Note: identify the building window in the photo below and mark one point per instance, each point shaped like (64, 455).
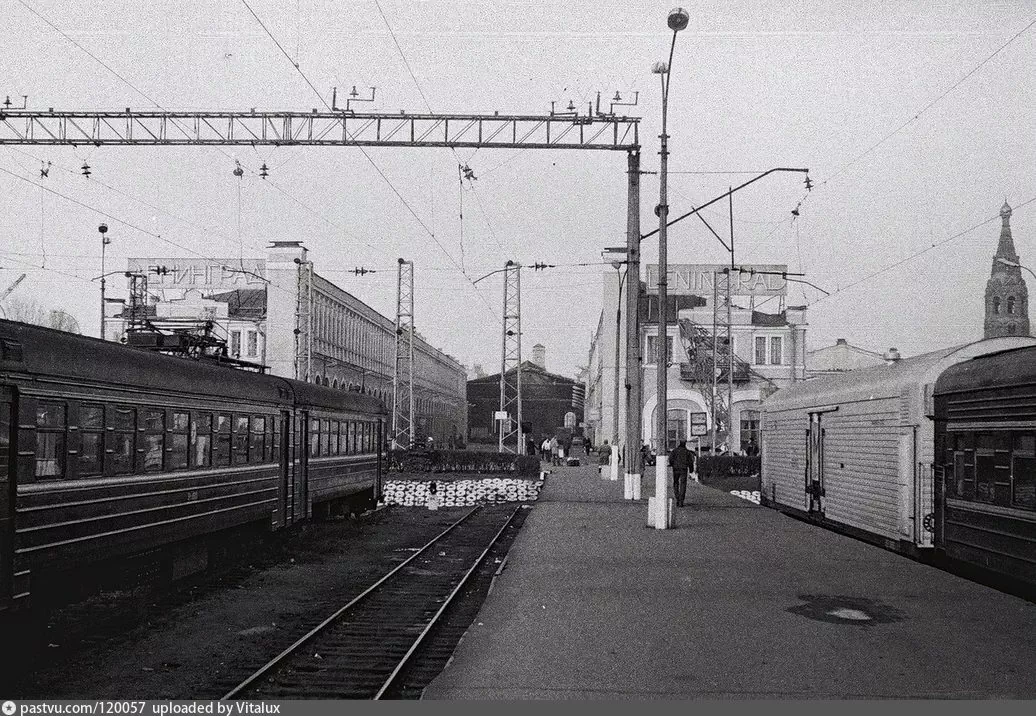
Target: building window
(996, 304)
(750, 431)
(760, 350)
(253, 343)
(1010, 305)
(652, 349)
(776, 350)
(235, 344)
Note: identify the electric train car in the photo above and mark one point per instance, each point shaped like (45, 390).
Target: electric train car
(857, 451)
(107, 452)
(985, 441)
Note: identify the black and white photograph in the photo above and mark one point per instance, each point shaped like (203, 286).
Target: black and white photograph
(515, 351)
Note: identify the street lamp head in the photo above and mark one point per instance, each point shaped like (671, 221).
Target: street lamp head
(678, 19)
(103, 228)
(618, 264)
(659, 68)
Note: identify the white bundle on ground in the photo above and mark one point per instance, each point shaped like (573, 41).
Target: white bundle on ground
(750, 495)
(461, 493)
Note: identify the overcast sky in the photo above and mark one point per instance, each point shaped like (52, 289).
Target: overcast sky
(754, 85)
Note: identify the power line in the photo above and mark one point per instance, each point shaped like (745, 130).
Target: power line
(913, 256)
(928, 106)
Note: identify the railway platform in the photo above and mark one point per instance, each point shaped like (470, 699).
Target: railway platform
(736, 602)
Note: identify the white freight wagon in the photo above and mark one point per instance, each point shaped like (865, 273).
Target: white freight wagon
(855, 450)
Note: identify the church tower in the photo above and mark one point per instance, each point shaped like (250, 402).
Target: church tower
(1007, 298)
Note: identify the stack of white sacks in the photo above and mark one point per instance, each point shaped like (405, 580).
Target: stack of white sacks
(461, 493)
(750, 495)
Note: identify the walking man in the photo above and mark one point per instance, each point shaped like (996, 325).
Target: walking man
(682, 461)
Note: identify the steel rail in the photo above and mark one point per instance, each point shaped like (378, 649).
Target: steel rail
(390, 681)
(273, 663)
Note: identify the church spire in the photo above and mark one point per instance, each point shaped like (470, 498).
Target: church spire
(1007, 297)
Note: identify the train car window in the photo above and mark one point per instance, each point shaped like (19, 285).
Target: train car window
(91, 446)
(179, 432)
(240, 439)
(366, 438)
(1023, 472)
(352, 438)
(154, 439)
(124, 437)
(201, 440)
(275, 438)
(222, 440)
(258, 441)
(964, 472)
(50, 439)
(314, 438)
(333, 442)
(325, 437)
(343, 437)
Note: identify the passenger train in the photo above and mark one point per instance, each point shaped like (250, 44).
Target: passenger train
(107, 452)
(933, 456)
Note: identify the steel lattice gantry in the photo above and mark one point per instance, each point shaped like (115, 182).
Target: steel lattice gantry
(403, 373)
(511, 439)
(336, 128)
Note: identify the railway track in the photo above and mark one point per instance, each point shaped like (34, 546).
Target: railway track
(364, 648)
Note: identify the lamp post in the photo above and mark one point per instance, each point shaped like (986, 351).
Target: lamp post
(1005, 262)
(614, 458)
(103, 229)
(678, 20)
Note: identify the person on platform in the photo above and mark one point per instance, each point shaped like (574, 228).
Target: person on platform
(554, 451)
(530, 446)
(682, 461)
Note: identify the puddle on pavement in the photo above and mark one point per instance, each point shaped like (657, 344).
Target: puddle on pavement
(839, 609)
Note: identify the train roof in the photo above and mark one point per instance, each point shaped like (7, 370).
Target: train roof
(887, 380)
(1016, 367)
(39, 351)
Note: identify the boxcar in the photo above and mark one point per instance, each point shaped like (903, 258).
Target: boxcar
(108, 451)
(855, 451)
(985, 428)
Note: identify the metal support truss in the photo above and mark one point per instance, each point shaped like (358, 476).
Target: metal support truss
(403, 374)
(136, 308)
(304, 322)
(511, 438)
(341, 128)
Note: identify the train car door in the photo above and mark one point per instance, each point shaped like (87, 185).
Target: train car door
(815, 464)
(8, 489)
(284, 456)
(302, 431)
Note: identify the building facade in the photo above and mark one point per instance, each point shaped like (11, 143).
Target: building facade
(550, 403)
(280, 313)
(1007, 297)
(720, 363)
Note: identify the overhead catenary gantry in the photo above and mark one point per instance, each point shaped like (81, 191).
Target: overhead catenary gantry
(319, 128)
(594, 130)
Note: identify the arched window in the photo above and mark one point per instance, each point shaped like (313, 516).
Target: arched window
(1011, 328)
(1010, 305)
(996, 304)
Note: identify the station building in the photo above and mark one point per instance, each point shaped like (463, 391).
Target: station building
(279, 313)
(550, 402)
(768, 352)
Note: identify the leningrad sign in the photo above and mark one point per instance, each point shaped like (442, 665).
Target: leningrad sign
(699, 279)
(203, 275)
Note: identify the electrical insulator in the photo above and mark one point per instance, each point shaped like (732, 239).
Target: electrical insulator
(809, 183)
(86, 170)
(264, 171)
(238, 171)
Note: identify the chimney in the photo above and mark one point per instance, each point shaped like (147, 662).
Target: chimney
(891, 356)
(841, 342)
(539, 355)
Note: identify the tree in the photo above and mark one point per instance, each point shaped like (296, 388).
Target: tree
(33, 312)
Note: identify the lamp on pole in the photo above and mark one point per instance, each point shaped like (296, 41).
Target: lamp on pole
(617, 265)
(103, 229)
(1006, 262)
(678, 20)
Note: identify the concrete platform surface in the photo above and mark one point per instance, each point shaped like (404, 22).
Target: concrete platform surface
(738, 601)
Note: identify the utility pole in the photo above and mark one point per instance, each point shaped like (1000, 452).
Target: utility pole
(304, 321)
(403, 374)
(511, 358)
(631, 489)
(103, 229)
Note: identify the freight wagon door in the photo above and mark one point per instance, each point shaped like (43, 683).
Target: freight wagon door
(815, 464)
(7, 498)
